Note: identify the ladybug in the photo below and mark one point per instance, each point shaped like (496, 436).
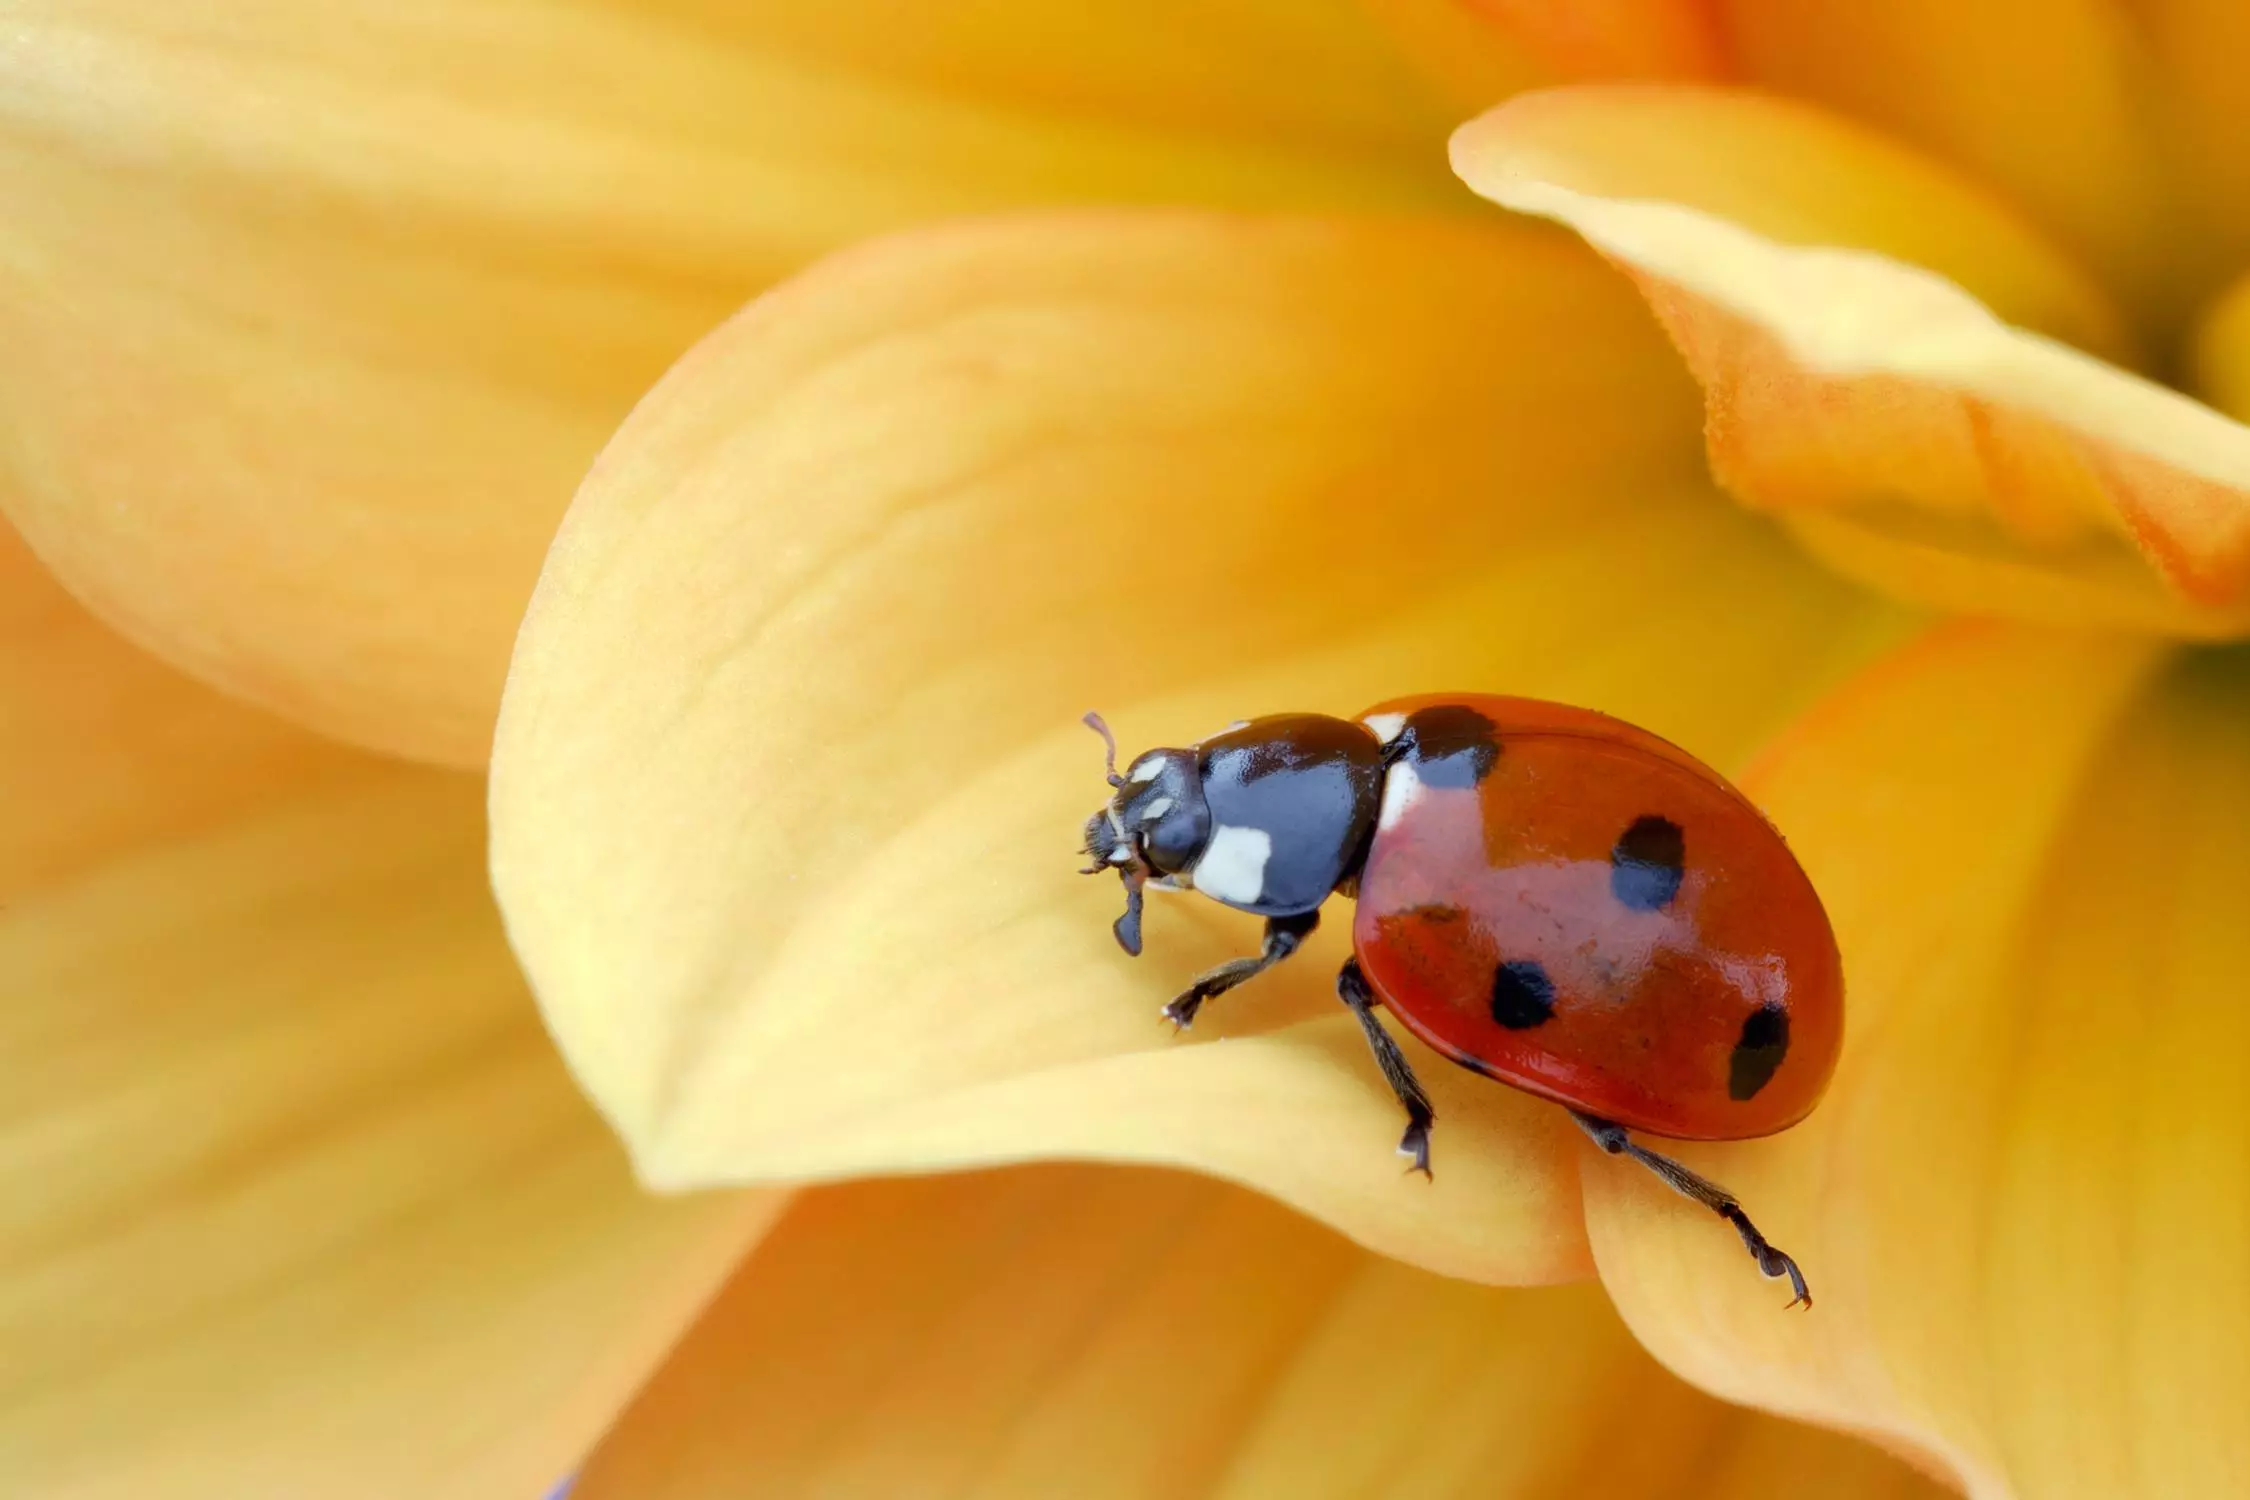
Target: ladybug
(1546, 895)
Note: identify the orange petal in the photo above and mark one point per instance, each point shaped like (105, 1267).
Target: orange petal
(790, 771)
(294, 1196)
(1908, 435)
(2056, 105)
(2194, 52)
(1482, 51)
(1084, 1332)
(2025, 1205)
(315, 316)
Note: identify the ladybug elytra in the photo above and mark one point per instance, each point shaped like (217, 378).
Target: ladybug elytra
(1547, 896)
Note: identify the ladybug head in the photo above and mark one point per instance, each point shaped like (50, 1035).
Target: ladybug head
(1155, 824)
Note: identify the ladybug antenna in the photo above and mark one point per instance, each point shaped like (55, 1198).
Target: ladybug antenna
(1094, 722)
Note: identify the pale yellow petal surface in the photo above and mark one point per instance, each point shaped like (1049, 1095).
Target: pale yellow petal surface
(2062, 107)
(2025, 1204)
(315, 315)
(790, 777)
(1113, 1334)
(295, 1198)
(1908, 433)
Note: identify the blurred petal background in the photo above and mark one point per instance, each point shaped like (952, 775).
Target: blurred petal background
(1855, 320)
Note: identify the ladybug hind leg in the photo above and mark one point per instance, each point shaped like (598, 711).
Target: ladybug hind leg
(1611, 1137)
(1352, 984)
(1284, 935)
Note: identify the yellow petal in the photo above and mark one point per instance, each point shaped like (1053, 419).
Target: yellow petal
(790, 773)
(1482, 51)
(294, 1196)
(2054, 104)
(2025, 1204)
(315, 316)
(2221, 351)
(1908, 435)
(2197, 48)
(1105, 1334)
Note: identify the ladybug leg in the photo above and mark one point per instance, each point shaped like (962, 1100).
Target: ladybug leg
(1352, 985)
(1283, 937)
(1613, 1139)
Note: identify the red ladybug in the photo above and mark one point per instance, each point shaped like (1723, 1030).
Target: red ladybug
(1547, 896)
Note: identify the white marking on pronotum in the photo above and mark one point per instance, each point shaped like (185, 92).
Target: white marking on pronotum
(1158, 808)
(1147, 768)
(1386, 726)
(1401, 790)
(1233, 866)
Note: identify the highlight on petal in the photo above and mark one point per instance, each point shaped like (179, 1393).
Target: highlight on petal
(2059, 106)
(1082, 1331)
(315, 316)
(294, 1196)
(1907, 435)
(790, 770)
(2025, 1205)
(1482, 51)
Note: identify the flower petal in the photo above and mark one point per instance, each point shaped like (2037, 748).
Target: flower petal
(2220, 351)
(2025, 1205)
(1482, 51)
(2196, 48)
(2053, 103)
(1080, 1331)
(316, 315)
(1908, 436)
(790, 769)
(294, 1197)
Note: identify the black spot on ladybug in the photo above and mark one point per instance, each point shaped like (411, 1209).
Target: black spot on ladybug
(1452, 746)
(1764, 1043)
(1522, 994)
(1647, 863)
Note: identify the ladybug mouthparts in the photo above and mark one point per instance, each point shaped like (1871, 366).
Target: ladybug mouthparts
(1103, 843)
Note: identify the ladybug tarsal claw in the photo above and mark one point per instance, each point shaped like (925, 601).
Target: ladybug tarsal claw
(1415, 1145)
(1776, 1264)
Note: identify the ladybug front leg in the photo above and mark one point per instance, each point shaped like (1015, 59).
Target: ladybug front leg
(1284, 935)
(1352, 985)
(1611, 1137)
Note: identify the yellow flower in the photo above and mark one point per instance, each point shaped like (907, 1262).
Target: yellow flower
(313, 321)
(299, 1201)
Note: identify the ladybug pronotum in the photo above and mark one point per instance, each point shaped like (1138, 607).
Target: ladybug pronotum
(1547, 896)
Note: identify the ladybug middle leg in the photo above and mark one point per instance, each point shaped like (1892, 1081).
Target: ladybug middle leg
(1351, 983)
(1611, 1137)
(1284, 935)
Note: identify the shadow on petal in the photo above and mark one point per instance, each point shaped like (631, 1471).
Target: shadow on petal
(1071, 1331)
(2071, 108)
